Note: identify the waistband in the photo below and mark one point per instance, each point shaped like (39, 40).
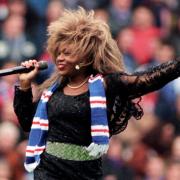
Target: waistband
(68, 151)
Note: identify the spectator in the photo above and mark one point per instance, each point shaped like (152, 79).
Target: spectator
(15, 43)
(174, 37)
(166, 98)
(7, 94)
(124, 41)
(17, 7)
(3, 10)
(173, 171)
(5, 170)
(9, 137)
(145, 35)
(120, 15)
(175, 152)
(155, 168)
(102, 14)
(114, 165)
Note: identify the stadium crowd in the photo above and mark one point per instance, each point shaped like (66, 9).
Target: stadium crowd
(147, 33)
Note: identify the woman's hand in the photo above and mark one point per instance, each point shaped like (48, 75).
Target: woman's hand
(26, 78)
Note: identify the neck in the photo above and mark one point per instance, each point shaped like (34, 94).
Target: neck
(77, 78)
(77, 82)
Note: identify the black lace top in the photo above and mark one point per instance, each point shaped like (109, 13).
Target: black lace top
(69, 116)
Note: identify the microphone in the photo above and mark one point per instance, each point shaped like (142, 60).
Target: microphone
(21, 69)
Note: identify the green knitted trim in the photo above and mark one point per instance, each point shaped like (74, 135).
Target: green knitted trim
(68, 151)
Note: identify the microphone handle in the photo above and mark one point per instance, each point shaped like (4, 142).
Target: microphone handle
(21, 69)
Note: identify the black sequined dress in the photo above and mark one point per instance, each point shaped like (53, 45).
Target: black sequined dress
(69, 117)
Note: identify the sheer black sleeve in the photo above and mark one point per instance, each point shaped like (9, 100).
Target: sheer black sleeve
(122, 88)
(24, 108)
(141, 83)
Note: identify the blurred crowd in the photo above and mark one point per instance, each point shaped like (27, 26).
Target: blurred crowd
(147, 33)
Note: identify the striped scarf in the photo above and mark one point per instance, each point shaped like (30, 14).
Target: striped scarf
(99, 124)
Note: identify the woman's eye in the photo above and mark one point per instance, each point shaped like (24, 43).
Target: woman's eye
(58, 53)
(67, 53)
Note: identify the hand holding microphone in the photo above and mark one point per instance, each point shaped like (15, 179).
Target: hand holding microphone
(28, 71)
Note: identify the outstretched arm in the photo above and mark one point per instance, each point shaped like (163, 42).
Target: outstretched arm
(121, 88)
(140, 83)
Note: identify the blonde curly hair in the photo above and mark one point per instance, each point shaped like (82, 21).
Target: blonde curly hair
(90, 37)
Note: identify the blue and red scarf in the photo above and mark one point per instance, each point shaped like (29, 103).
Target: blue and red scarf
(99, 124)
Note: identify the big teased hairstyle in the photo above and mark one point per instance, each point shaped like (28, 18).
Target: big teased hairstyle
(91, 39)
(90, 36)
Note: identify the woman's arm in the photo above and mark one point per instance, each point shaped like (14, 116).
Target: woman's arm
(121, 88)
(141, 83)
(24, 107)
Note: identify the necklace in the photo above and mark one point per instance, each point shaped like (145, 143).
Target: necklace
(80, 85)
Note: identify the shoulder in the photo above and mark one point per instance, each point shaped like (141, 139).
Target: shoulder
(114, 77)
(114, 83)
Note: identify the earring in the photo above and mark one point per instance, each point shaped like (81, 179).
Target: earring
(77, 67)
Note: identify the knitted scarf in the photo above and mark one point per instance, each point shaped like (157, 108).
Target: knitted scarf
(99, 124)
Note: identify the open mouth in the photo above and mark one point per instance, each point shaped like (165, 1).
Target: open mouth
(61, 65)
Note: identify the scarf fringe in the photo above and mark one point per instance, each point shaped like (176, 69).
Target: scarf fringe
(97, 150)
(32, 166)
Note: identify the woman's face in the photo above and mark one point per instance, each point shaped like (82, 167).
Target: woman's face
(66, 60)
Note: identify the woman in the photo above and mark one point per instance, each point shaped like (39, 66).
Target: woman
(87, 100)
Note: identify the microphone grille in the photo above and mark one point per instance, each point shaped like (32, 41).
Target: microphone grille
(43, 65)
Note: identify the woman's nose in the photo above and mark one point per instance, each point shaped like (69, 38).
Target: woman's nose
(60, 56)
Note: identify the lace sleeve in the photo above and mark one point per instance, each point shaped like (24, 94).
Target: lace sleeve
(122, 88)
(141, 83)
